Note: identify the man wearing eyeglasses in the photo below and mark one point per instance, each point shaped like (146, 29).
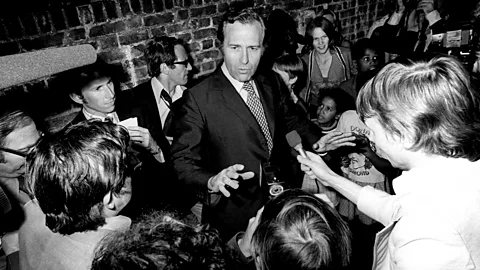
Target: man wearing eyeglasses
(168, 65)
(18, 135)
(154, 101)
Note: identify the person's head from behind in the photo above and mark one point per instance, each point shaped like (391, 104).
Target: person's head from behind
(168, 60)
(368, 56)
(333, 102)
(320, 34)
(300, 231)
(18, 135)
(80, 175)
(159, 241)
(292, 70)
(241, 35)
(427, 106)
(92, 87)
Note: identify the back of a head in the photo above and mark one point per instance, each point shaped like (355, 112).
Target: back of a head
(427, 102)
(299, 231)
(294, 66)
(159, 241)
(71, 172)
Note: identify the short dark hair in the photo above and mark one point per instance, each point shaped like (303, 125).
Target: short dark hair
(363, 44)
(343, 100)
(160, 50)
(325, 25)
(294, 66)
(300, 231)
(79, 78)
(72, 170)
(160, 241)
(13, 116)
(428, 102)
(244, 16)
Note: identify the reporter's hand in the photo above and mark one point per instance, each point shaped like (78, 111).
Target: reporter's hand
(228, 177)
(245, 244)
(316, 168)
(141, 136)
(334, 140)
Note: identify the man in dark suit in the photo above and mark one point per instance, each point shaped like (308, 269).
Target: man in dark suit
(168, 65)
(233, 123)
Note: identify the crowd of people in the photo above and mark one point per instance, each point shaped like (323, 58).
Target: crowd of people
(164, 177)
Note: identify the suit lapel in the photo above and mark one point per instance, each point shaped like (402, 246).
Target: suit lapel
(234, 102)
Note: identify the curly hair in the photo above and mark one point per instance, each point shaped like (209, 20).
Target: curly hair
(71, 172)
(300, 231)
(160, 241)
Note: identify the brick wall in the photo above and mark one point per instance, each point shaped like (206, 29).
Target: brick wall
(118, 29)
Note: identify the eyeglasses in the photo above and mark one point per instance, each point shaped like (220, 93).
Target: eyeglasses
(25, 152)
(368, 58)
(184, 62)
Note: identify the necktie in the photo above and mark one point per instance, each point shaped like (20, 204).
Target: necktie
(255, 106)
(422, 37)
(167, 98)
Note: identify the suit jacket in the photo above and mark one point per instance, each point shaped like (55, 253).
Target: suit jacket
(140, 102)
(215, 129)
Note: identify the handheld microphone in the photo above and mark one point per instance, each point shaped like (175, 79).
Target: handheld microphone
(295, 142)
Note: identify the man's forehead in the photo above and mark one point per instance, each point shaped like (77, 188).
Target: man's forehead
(96, 83)
(180, 52)
(241, 27)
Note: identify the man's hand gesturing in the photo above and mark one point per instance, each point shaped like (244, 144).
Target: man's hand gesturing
(228, 177)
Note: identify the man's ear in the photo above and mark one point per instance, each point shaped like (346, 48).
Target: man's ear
(293, 80)
(76, 98)
(164, 69)
(338, 116)
(109, 202)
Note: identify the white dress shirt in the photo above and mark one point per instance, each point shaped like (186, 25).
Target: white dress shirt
(163, 109)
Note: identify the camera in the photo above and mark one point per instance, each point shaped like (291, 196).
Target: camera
(360, 140)
(271, 174)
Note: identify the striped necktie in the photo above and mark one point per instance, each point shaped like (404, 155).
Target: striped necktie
(255, 106)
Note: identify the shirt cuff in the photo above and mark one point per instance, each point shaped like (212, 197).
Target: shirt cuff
(433, 17)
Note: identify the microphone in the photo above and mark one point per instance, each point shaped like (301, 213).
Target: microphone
(20, 68)
(295, 142)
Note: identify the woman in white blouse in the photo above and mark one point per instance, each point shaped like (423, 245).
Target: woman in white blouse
(425, 119)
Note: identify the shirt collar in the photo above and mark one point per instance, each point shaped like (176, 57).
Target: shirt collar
(89, 116)
(157, 87)
(236, 84)
(117, 223)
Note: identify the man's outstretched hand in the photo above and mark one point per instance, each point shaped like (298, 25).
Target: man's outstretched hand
(228, 177)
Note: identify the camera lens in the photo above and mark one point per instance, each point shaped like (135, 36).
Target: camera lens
(275, 190)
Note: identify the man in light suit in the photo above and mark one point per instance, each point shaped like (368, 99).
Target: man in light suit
(227, 128)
